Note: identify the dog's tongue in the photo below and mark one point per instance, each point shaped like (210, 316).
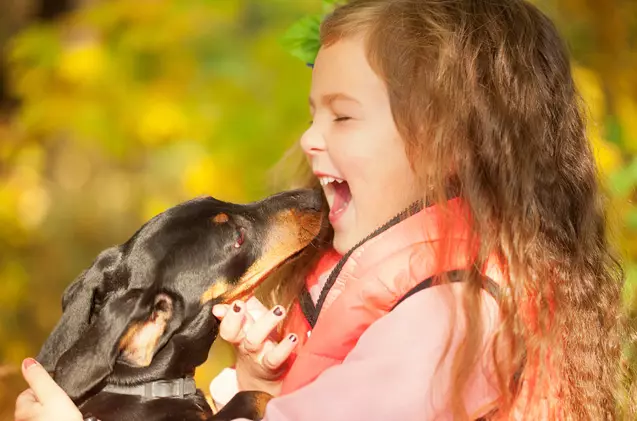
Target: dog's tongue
(342, 196)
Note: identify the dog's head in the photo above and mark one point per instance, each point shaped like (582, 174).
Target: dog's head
(150, 299)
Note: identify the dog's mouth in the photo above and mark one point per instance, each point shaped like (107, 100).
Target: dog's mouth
(291, 231)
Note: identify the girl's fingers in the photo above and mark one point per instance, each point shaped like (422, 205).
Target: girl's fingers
(42, 384)
(45, 398)
(253, 305)
(261, 329)
(256, 307)
(26, 405)
(233, 325)
(277, 356)
(220, 310)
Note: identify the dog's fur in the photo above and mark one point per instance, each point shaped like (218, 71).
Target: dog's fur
(143, 310)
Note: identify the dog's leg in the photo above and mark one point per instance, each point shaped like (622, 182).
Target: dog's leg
(248, 404)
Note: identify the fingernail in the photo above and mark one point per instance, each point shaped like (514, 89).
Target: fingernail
(28, 363)
(278, 311)
(236, 307)
(292, 337)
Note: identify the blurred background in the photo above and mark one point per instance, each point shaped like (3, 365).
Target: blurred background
(112, 111)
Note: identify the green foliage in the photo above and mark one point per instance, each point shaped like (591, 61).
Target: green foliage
(302, 39)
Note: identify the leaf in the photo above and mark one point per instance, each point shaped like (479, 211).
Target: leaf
(302, 39)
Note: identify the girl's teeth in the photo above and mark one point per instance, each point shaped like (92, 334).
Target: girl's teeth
(327, 180)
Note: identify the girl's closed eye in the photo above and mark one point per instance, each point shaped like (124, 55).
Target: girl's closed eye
(342, 118)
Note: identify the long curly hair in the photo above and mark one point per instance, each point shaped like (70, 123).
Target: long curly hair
(482, 94)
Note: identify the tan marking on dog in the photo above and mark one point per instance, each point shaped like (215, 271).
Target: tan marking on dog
(216, 290)
(291, 231)
(220, 218)
(138, 344)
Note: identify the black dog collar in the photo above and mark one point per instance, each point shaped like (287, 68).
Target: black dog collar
(177, 388)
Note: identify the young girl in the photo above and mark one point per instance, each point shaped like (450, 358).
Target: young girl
(472, 276)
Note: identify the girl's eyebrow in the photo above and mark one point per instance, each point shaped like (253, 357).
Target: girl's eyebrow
(328, 99)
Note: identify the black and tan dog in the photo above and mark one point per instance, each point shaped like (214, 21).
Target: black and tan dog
(137, 323)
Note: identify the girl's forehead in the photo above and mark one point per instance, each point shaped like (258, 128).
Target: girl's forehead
(347, 51)
(341, 70)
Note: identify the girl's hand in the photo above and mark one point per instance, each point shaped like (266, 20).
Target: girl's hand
(45, 400)
(260, 361)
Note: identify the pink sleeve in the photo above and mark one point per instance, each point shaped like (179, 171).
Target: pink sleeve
(389, 375)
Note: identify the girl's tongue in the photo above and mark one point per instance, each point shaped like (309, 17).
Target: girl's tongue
(342, 197)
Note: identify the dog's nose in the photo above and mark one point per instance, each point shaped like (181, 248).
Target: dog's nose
(308, 199)
(301, 199)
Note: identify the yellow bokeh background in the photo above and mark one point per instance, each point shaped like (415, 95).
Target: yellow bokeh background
(113, 111)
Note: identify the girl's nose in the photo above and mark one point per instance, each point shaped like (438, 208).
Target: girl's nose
(312, 142)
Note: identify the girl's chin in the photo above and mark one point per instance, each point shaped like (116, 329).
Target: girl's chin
(343, 223)
(345, 239)
(340, 244)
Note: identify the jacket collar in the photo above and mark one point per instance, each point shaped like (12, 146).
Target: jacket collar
(415, 225)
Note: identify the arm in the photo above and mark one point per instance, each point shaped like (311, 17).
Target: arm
(390, 374)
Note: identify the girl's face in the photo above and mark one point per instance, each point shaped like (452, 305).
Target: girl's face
(353, 144)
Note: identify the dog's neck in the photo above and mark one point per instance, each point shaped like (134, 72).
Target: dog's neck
(175, 388)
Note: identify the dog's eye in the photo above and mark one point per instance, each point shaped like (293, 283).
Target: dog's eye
(240, 238)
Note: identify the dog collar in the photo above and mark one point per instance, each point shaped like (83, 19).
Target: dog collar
(176, 388)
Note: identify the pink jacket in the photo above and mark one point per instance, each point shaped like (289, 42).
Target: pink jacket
(391, 371)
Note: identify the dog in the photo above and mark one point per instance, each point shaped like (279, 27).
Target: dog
(138, 322)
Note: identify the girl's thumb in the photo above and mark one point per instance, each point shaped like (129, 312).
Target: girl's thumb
(44, 387)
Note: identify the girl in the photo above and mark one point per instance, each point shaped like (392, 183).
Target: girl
(494, 293)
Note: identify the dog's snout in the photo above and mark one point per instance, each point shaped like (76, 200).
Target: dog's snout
(302, 200)
(312, 200)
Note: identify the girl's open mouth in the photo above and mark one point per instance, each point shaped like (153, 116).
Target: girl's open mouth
(338, 196)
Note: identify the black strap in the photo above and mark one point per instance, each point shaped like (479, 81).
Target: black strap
(307, 305)
(454, 276)
(313, 316)
(494, 290)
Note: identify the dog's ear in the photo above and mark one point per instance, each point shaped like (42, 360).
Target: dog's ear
(130, 326)
(77, 303)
